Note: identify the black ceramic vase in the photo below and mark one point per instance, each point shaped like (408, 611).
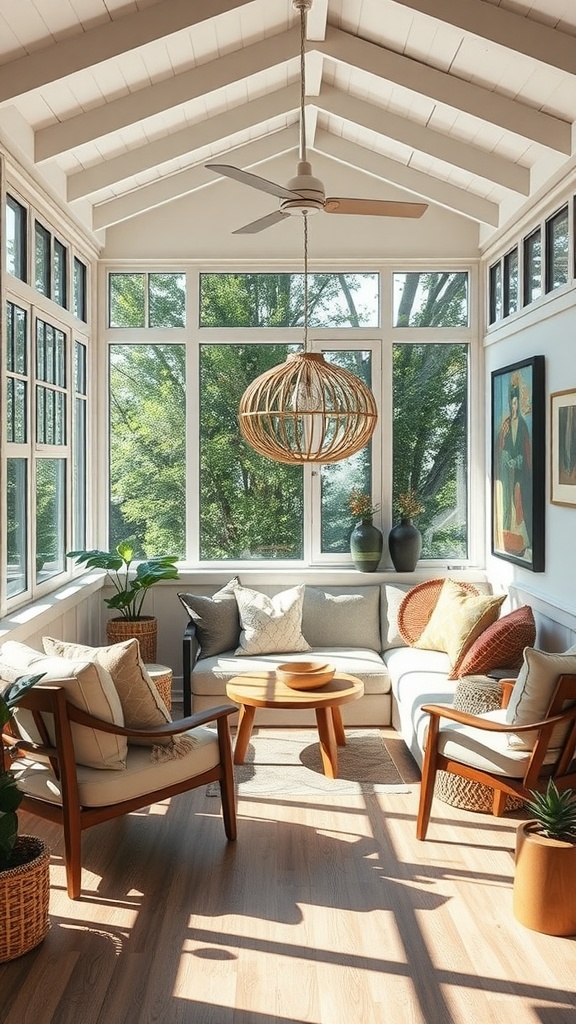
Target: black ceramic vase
(366, 543)
(405, 544)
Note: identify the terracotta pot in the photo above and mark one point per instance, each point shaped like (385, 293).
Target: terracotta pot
(145, 630)
(24, 898)
(545, 882)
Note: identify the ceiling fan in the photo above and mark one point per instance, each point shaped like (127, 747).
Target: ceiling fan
(305, 194)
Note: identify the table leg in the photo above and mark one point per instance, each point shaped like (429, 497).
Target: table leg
(328, 748)
(245, 722)
(338, 727)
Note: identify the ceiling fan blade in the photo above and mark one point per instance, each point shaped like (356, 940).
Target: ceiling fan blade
(375, 207)
(262, 223)
(254, 180)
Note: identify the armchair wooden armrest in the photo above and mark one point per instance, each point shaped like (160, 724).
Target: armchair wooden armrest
(477, 722)
(158, 731)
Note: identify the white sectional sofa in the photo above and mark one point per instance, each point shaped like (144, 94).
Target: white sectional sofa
(356, 629)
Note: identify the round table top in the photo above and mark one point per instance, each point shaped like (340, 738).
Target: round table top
(264, 690)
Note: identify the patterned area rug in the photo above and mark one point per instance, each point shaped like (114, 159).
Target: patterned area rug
(290, 762)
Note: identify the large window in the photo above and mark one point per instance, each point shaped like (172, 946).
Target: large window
(182, 479)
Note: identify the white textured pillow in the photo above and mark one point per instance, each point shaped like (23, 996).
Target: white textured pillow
(533, 691)
(88, 686)
(270, 624)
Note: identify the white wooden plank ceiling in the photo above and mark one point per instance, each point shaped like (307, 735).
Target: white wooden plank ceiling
(468, 105)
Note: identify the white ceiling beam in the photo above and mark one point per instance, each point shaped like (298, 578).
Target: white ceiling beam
(521, 35)
(178, 144)
(183, 182)
(424, 185)
(472, 99)
(426, 140)
(171, 92)
(56, 61)
(317, 19)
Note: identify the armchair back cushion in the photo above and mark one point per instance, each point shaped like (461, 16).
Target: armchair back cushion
(88, 686)
(533, 691)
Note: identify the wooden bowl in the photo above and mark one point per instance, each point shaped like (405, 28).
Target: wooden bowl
(305, 675)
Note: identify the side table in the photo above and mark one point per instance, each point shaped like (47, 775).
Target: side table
(161, 675)
(474, 694)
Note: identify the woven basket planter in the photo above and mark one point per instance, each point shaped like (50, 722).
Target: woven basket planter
(145, 630)
(24, 898)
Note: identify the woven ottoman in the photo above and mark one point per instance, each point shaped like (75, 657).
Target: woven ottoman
(474, 694)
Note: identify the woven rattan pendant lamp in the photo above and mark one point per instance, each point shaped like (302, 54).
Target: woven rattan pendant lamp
(307, 410)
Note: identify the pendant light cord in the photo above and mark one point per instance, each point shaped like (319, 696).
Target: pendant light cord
(305, 219)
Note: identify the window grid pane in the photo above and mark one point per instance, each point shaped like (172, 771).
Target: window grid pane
(16, 220)
(17, 526)
(557, 250)
(42, 260)
(50, 518)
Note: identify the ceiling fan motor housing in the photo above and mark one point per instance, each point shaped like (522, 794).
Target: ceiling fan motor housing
(309, 188)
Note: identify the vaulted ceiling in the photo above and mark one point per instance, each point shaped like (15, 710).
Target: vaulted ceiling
(464, 104)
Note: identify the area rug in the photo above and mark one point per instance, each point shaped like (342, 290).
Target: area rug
(290, 762)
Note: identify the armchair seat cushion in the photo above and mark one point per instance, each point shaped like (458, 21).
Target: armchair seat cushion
(100, 788)
(489, 752)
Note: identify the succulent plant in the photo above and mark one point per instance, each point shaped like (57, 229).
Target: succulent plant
(10, 795)
(554, 812)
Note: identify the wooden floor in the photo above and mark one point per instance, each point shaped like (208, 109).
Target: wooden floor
(325, 910)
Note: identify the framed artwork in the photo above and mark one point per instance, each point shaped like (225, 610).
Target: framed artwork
(518, 460)
(563, 448)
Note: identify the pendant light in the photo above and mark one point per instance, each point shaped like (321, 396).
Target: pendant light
(307, 409)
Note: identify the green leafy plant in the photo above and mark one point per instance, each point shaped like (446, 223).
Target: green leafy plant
(361, 505)
(10, 795)
(130, 590)
(554, 812)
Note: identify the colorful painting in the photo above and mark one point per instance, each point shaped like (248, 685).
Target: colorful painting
(518, 453)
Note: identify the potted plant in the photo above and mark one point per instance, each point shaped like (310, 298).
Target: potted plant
(405, 539)
(545, 877)
(131, 589)
(24, 860)
(366, 540)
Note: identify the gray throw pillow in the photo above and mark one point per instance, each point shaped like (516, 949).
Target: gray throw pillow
(216, 619)
(339, 617)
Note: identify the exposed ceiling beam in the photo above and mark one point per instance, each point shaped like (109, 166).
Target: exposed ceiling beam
(521, 35)
(425, 140)
(171, 92)
(178, 144)
(317, 19)
(56, 61)
(176, 185)
(450, 196)
(456, 93)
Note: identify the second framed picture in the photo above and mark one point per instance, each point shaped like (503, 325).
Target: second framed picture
(563, 448)
(518, 460)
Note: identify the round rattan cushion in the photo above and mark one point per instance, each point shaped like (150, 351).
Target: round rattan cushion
(417, 607)
(475, 695)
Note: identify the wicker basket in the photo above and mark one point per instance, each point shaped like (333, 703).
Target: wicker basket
(418, 605)
(145, 630)
(161, 675)
(475, 696)
(24, 898)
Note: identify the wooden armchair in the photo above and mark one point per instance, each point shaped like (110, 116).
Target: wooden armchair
(475, 747)
(77, 797)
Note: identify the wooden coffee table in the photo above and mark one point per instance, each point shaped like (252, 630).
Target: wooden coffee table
(262, 690)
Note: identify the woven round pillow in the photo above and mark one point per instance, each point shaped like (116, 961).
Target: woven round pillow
(418, 605)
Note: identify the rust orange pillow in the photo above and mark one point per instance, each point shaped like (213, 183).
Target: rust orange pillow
(501, 645)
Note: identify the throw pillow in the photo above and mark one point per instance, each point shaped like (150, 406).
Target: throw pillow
(501, 645)
(342, 618)
(216, 619)
(270, 624)
(533, 692)
(392, 599)
(88, 686)
(458, 618)
(139, 697)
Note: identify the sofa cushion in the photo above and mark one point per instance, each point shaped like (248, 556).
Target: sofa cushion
(216, 619)
(270, 624)
(88, 686)
(501, 645)
(141, 703)
(533, 691)
(210, 675)
(391, 598)
(341, 617)
(417, 677)
(458, 618)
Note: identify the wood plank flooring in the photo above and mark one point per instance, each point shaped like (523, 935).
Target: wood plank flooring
(326, 910)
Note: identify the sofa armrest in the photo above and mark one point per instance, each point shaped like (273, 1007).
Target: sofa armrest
(190, 651)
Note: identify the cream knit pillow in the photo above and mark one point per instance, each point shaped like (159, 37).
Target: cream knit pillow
(270, 624)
